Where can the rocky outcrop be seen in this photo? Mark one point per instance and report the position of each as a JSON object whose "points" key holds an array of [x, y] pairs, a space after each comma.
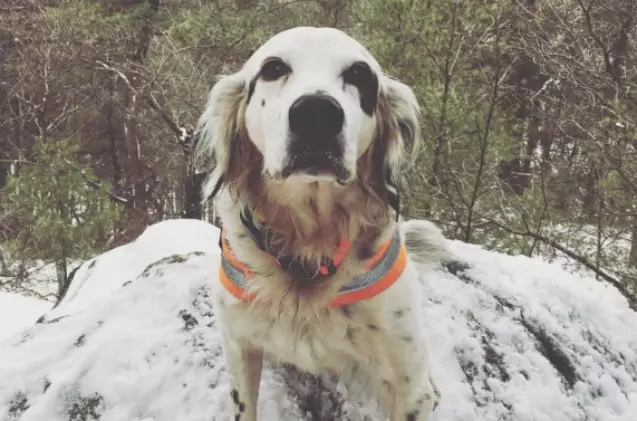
{"points": [[134, 339]]}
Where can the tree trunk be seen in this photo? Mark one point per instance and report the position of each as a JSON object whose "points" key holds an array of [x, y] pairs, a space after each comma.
{"points": [[4, 171], [112, 135], [632, 256], [193, 206], [442, 139], [139, 180], [61, 271], [4, 269], [193, 181]]}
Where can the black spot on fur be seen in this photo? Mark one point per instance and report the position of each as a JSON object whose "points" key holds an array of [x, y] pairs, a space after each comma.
{"points": [[437, 396], [127, 283], [400, 313], [347, 311], [47, 384], [189, 321], [92, 264], [263, 102], [240, 405], [408, 339], [372, 327], [406, 379], [80, 341], [237, 417], [235, 396], [361, 76], [412, 416]]}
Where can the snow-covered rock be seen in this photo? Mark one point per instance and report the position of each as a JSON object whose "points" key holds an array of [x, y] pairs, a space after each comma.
{"points": [[134, 339]]}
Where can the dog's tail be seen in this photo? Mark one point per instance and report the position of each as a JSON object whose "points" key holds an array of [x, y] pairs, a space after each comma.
{"points": [[424, 241]]}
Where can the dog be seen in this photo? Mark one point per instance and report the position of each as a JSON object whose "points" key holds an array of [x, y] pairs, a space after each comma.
{"points": [[305, 146]]}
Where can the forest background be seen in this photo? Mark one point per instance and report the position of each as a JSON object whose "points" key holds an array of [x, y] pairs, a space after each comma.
{"points": [[529, 120]]}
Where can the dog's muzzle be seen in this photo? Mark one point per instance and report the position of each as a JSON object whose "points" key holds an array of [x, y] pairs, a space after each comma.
{"points": [[316, 144]]}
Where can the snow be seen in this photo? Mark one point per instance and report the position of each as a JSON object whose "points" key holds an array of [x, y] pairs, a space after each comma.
{"points": [[40, 279], [18, 312], [105, 274], [134, 339]]}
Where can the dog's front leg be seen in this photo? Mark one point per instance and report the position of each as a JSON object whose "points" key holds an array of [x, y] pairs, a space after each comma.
{"points": [[409, 394], [407, 389], [244, 363]]}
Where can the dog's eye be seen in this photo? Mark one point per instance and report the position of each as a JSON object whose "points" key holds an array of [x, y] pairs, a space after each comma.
{"points": [[274, 69], [358, 74]]}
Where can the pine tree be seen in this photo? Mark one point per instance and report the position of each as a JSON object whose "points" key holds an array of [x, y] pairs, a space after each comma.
{"points": [[63, 209]]}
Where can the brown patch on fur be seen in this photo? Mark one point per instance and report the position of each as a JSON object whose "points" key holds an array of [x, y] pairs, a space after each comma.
{"points": [[373, 166], [244, 160]]}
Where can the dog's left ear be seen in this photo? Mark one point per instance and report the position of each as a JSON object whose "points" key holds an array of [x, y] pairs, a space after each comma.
{"points": [[401, 121], [219, 142], [397, 138]]}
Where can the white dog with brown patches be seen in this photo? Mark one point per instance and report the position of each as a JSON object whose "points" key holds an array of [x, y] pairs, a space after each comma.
{"points": [[307, 142]]}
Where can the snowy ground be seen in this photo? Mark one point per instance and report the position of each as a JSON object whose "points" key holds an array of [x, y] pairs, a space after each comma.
{"points": [[18, 312], [135, 340], [40, 280]]}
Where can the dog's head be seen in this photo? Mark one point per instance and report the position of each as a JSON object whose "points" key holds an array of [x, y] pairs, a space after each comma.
{"points": [[311, 104]]}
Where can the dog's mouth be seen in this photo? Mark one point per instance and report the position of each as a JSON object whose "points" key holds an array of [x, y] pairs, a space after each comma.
{"points": [[316, 165]]}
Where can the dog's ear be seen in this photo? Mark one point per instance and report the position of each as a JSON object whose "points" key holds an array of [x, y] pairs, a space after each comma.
{"points": [[220, 131], [402, 125], [396, 142]]}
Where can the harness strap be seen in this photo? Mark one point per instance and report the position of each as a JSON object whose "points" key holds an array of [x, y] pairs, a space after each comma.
{"points": [[382, 271]]}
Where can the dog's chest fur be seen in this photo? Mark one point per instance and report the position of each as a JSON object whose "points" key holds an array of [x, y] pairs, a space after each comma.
{"points": [[331, 339]]}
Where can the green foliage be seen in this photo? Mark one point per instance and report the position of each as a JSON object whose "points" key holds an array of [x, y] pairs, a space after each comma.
{"points": [[62, 208], [521, 123]]}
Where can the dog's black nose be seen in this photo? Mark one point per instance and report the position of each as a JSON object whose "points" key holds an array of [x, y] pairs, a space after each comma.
{"points": [[316, 117]]}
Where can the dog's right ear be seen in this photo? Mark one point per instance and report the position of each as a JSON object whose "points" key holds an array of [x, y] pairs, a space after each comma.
{"points": [[220, 131]]}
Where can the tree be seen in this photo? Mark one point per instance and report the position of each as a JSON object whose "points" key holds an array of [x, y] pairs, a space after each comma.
{"points": [[62, 208], [527, 107]]}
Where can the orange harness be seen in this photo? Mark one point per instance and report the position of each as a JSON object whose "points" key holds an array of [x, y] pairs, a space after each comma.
{"points": [[382, 271]]}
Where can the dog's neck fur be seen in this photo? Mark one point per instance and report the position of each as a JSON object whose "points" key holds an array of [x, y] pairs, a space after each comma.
{"points": [[309, 220]]}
